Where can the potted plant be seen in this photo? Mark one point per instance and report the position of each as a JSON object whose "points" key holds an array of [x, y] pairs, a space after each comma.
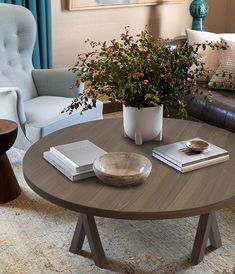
{"points": [[142, 73]]}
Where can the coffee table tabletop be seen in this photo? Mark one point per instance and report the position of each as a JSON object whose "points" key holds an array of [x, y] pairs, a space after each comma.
{"points": [[166, 193]]}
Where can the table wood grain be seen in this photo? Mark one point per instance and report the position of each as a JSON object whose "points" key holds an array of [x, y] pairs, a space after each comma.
{"points": [[166, 193], [7, 126]]}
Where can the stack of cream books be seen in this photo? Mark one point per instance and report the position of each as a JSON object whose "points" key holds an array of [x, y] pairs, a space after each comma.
{"points": [[178, 156], [74, 160]]}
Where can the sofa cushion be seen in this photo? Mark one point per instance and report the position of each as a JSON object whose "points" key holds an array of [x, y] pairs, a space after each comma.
{"points": [[43, 115], [219, 111], [228, 36], [208, 56], [221, 79]]}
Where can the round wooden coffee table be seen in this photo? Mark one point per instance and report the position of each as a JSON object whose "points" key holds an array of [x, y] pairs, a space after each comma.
{"points": [[166, 193], [9, 187]]}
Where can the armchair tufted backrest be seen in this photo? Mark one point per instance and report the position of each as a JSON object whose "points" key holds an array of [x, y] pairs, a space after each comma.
{"points": [[17, 38]]}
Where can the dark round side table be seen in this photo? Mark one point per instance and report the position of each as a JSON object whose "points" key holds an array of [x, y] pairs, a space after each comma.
{"points": [[9, 187]]}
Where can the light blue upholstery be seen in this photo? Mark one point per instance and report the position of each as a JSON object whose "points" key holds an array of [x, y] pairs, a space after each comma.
{"points": [[17, 37], [33, 98], [41, 10], [40, 123]]}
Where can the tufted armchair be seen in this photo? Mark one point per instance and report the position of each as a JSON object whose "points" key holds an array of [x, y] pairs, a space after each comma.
{"points": [[33, 98]]}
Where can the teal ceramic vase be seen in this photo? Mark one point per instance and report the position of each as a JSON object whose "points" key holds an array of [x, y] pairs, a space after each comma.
{"points": [[199, 10]]}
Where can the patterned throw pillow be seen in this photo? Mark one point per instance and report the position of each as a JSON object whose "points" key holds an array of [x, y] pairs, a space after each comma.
{"points": [[222, 78]]}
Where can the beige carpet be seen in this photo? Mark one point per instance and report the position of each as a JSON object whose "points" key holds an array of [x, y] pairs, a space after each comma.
{"points": [[35, 237]]}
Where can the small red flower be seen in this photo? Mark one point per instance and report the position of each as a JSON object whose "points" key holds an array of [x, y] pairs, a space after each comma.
{"points": [[145, 82], [139, 74], [121, 101], [110, 55], [149, 57]]}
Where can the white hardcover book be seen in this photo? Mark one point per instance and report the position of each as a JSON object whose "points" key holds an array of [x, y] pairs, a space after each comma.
{"points": [[198, 165], [179, 155], [69, 173], [78, 156]]}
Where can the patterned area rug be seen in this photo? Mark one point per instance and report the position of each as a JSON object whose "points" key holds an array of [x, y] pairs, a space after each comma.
{"points": [[35, 237]]}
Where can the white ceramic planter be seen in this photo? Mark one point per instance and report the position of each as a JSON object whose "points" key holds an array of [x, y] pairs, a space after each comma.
{"points": [[143, 124]]}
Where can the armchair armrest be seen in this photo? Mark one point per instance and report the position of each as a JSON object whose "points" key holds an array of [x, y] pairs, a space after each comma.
{"points": [[11, 105], [56, 82], [12, 108]]}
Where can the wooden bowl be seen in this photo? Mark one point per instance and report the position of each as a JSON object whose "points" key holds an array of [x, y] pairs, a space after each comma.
{"points": [[122, 168]]}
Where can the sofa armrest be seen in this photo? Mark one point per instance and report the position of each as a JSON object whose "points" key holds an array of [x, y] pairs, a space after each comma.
{"points": [[11, 105], [56, 82], [176, 42]]}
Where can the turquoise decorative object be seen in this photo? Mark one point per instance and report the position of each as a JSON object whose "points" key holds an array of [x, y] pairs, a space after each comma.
{"points": [[198, 10]]}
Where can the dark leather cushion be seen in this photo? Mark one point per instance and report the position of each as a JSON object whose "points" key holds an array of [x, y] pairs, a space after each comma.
{"points": [[219, 112]]}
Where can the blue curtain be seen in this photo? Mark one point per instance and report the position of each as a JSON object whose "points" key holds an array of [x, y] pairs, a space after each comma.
{"points": [[41, 10]]}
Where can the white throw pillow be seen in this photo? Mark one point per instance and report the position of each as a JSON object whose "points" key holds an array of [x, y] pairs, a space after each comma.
{"points": [[208, 56], [226, 67], [228, 36]]}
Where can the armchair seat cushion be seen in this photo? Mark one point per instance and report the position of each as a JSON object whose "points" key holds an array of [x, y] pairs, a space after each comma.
{"points": [[43, 115]]}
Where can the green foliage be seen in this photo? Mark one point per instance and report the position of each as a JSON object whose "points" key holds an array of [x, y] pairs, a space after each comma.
{"points": [[140, 72]]}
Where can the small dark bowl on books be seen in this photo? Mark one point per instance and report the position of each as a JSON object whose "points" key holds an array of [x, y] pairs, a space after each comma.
{"points": [[197, 145], [122, 169]]}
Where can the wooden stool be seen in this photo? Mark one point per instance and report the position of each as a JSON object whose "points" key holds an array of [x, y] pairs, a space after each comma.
{"points": [[9, 187]]}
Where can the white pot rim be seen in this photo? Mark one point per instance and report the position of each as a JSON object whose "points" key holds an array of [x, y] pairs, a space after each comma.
{"points": [[143, 107]]}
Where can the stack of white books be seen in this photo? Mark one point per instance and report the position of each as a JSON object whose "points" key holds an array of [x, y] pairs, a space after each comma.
{"points": [[74, 160], [178, 156]]}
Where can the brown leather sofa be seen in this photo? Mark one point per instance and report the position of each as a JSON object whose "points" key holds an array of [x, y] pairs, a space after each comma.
{"points": [[219, 112]]}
